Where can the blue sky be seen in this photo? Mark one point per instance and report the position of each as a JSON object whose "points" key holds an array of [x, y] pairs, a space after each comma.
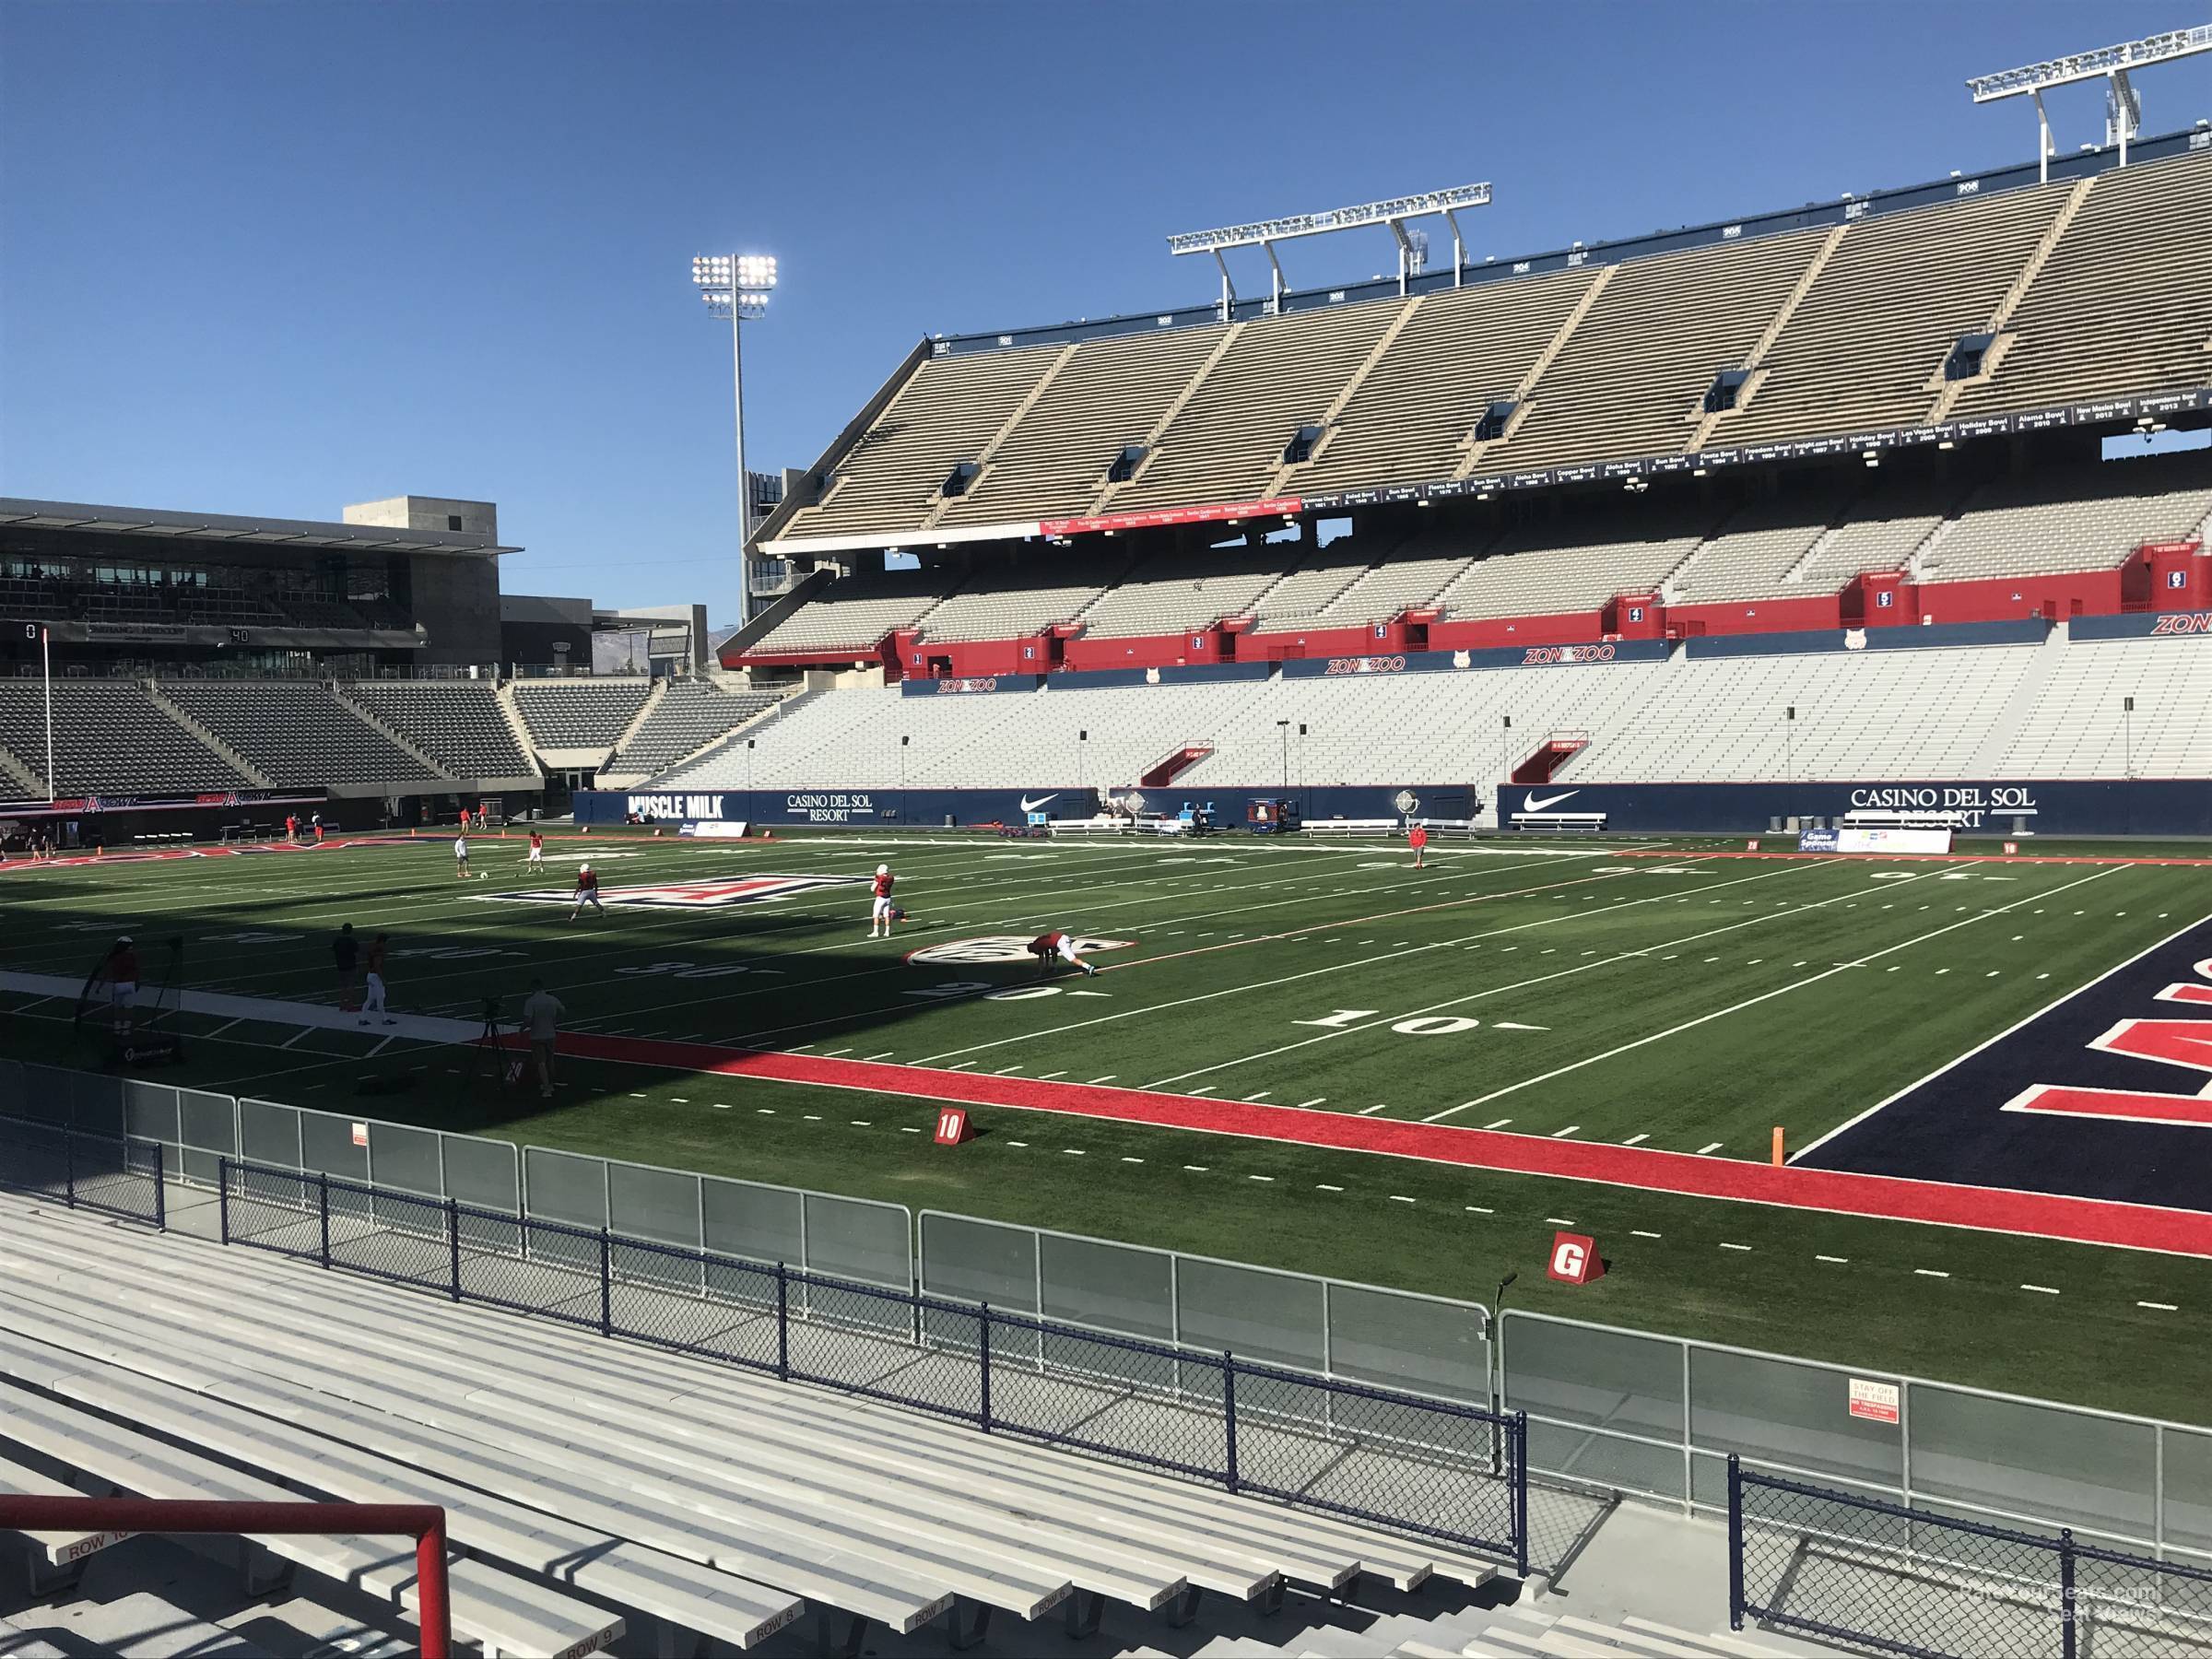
{"points": [[261, 257]]}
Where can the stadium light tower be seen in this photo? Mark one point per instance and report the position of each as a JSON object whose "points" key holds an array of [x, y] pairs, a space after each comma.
{"points": [[1412, 246], [2122, 103], [736, 286]]}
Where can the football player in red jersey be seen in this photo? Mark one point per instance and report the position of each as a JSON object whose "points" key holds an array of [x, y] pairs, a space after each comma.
{"points": [[880, 908], [1053, 947], [587, 891], [1418, 838]]}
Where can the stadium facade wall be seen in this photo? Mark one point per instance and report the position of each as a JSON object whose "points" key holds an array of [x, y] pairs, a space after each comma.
{"points": [[929, 809], [2002, 600], [2009, 807]]}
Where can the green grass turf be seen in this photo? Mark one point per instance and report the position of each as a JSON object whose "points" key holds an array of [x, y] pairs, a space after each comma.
{"points": [[1687, 1003]]}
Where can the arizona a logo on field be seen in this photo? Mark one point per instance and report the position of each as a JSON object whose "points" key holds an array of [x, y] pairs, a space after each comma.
{"points": [[1001, 948], [710, 893]]}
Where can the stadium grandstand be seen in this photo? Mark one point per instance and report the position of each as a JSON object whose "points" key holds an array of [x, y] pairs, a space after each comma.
{"points": [[643, 1258]]}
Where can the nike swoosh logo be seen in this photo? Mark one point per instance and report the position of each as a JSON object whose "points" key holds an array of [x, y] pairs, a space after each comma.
{"points": [[1030, 806], [1535, 803]]}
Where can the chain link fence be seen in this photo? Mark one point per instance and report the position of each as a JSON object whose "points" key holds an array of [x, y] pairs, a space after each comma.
{"points": [[1906, 1579], [1437, 1468], [110, 1174]]}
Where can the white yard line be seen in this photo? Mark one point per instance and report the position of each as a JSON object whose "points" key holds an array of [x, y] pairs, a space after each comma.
{"points": [[1818, 1142], [1289, 979], [1752, 1002], [1516, 984]]}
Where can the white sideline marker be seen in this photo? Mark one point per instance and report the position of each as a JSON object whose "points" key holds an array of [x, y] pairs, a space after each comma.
{"points": [[1500, 1124], [1638, 1232], [1710, 1147], [1930, 1273], [2041, 1289], [1840, 1261], [2158, 1306]]}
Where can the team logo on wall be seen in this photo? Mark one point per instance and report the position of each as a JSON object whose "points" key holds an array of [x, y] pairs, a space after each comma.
{"points": [[1855, 639], [1406, 800], [1133, 801], [1000, 947], [709, 893]]}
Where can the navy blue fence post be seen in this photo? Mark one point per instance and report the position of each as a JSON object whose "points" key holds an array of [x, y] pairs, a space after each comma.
{"points": [[222, 1195], [322, 1182], [161, 1194], [453, 1243], [2066, 1632], [1228, 1412], [1735, 1542], [606, 1286], [782, 1322], [1519, 1437], [983, 1353], [70, 1168]]}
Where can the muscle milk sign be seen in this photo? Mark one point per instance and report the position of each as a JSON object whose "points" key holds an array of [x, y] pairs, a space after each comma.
{"points": [[692, 807]]}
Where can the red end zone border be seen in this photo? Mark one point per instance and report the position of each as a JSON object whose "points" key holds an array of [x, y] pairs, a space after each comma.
{"points": [[1886, 1197]]}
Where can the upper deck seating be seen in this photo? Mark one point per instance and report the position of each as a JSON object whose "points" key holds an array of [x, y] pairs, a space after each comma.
{"points": [[109, 738], [458, 722], [691, 714], [295, 731], [580, 714], [2089, 518]]}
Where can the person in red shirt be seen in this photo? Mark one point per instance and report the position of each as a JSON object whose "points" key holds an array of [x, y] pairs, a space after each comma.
{"points": [[880, 906], [291, 826], [1049, 948], [587, 891], [1418, 838], [536, 860]]}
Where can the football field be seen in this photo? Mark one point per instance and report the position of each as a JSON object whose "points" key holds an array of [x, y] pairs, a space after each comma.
{"points": [[1307, 1054]]}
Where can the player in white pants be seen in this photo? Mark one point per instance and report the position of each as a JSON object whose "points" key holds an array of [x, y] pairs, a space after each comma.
{"points": [[1057, 946], [879, 909], [587, 892]]}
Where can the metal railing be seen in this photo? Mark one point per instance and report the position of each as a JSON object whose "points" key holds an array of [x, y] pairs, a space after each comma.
{"points": [[114, 1176], [1845, 1567], [1637, 1412], [1437, 1468]]}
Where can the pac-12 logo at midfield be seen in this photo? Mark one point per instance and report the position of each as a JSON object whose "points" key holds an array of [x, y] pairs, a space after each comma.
{"points": [[708, 893], [1001, 948]]}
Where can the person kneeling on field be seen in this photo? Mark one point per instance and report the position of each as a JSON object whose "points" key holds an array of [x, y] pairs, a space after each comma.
{"points": [[1056, 946]]}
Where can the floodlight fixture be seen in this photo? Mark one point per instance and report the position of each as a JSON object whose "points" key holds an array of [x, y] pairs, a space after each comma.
{"points": [[736, 287], [1393, 214], [2112, 64]]}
